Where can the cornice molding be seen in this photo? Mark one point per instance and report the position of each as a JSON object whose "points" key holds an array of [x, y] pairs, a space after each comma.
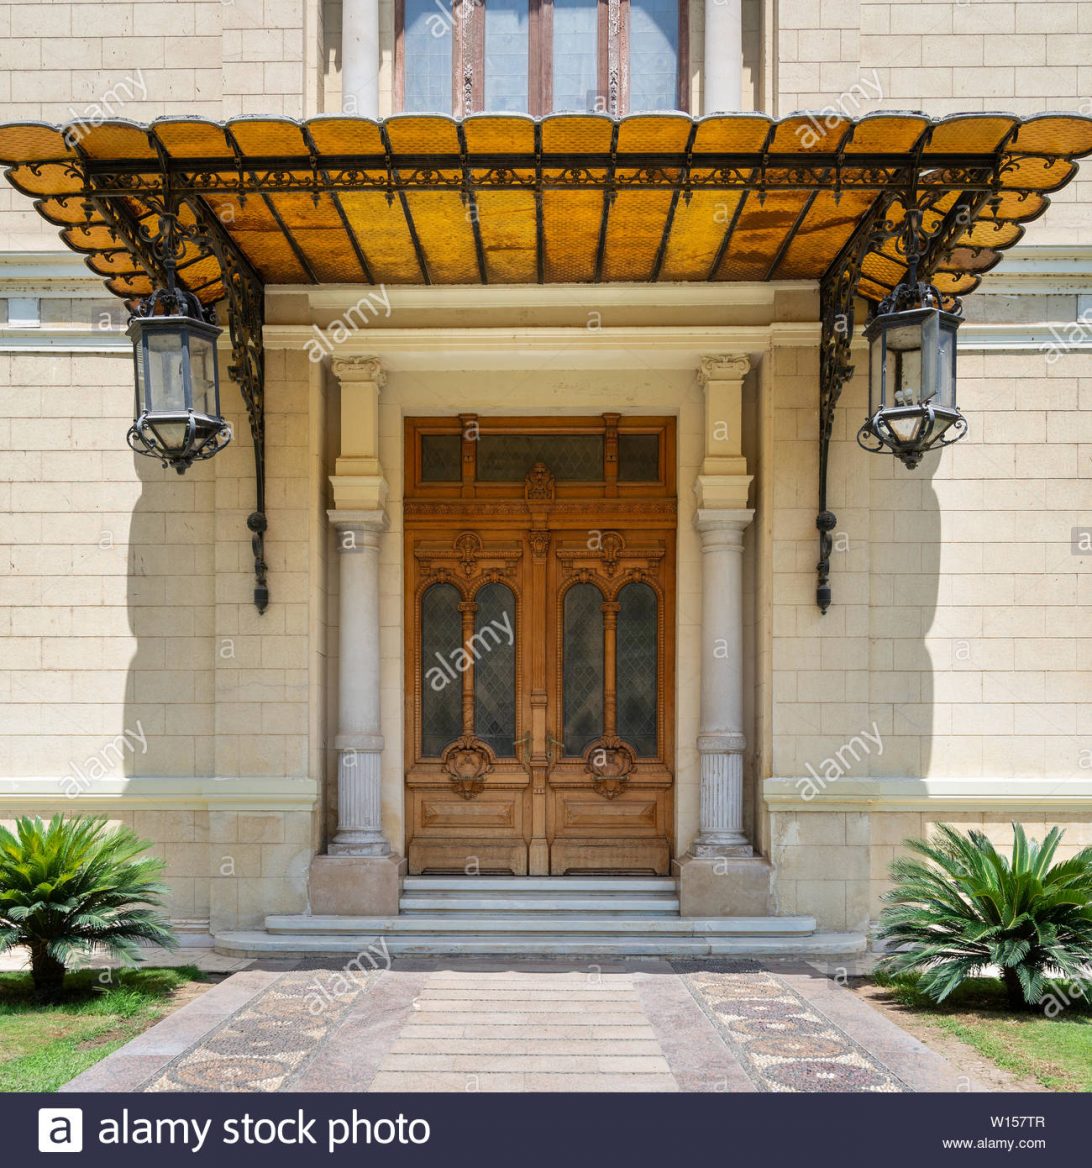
{"points": [[47, 339], [565, 347], [1038, 797], [36, 793]]}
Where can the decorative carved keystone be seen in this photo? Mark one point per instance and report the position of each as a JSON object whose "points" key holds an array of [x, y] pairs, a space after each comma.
{"points": [[538, 486]]}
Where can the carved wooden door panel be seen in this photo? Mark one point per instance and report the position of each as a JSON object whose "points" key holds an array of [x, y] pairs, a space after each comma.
{"points": [[467, 788], [538, 659], [610, 798]]}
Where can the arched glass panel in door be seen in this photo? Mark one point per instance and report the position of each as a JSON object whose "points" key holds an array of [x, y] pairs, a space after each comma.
{"points": [[494, 652], [636, 668], [441, 683], [582, 667]]}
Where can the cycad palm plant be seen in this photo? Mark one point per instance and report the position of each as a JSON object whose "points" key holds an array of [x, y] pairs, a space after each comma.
{"points": [[71, 885], [970, 908]]}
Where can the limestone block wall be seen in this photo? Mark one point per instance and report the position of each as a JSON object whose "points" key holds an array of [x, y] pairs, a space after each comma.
{"points": [[834, 864], [136, 677], [958, 647]]}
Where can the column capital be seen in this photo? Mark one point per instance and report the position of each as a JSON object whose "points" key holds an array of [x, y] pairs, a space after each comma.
{"points": [[723, 367], [721, 527], [357, 369], [365, 528]]}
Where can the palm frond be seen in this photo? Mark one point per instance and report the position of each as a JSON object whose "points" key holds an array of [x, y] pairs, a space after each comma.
{"points": [[958, 906]]}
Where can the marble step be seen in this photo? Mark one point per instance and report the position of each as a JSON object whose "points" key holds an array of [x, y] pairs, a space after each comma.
{"points": [[299, 945], [535, 884], [572, 924], [544, 902]]}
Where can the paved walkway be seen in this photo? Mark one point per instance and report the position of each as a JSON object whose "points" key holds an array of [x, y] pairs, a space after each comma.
{"points": [[475, 1025]]}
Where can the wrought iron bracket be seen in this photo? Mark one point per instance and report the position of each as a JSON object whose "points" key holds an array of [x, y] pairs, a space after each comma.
{"points": [[157, 252], [245, 296], [921, 250], [837, 310]]}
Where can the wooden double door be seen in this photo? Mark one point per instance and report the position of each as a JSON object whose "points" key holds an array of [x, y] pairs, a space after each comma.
{"points": [[540, 611]]}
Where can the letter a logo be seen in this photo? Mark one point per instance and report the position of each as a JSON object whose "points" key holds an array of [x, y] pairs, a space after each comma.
{"points": [[60, 1129]]}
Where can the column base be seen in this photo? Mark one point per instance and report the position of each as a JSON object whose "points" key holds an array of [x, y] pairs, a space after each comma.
{"points": [[358, 802], [712, 849], [363, 843], [724, 886], [356, 886]]}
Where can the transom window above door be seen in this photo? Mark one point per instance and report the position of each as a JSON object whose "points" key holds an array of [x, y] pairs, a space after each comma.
{"points": [[540, 56], [608, 456]]}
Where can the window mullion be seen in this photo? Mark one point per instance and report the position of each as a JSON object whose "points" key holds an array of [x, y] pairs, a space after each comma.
{"points": [[610, 668], [540, 58], [468, 608]]}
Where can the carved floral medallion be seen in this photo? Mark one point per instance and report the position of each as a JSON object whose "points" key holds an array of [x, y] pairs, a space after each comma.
{"points": [[466, 762], [610, 761]]}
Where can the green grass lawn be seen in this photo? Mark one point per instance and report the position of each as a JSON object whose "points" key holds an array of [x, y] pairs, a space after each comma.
{"points": [[1055, 1051], [42, 1047]]}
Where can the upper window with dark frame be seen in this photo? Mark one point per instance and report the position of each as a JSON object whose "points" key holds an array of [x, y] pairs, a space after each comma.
{"points": [[540, 56]]}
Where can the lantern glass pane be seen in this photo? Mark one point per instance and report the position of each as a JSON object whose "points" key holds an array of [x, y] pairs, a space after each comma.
{"points": [[905, 426], [203, 374], [930, 354], [904, 337], [946, 366], [876, 375], [138, 365], [908, 378], [172, 435], [167, 389]]}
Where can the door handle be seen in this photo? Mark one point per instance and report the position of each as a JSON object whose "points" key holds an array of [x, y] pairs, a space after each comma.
{"points": [[553, 743], [554, 749], [523, 744]]}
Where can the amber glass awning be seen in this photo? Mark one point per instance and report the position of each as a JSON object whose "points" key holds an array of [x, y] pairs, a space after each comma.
{"points": [[421, 199]]}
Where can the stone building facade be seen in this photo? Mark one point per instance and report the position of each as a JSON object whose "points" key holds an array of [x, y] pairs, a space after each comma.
{"points": [[948, 682]]}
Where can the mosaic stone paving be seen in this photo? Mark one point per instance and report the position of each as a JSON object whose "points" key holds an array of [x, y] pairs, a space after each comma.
{"points": [[267, 1044], [782, 1042]]}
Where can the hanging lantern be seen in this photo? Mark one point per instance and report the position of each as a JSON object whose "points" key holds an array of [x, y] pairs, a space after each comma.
{"points": [[912, 375], [177, 415]]}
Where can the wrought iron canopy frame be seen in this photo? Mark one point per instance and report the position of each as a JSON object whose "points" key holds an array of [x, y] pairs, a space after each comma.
{"points": [[825, 213], [613, 170]]}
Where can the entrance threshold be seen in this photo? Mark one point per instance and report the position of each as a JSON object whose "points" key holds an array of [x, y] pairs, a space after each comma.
{"points": [[554, 916]]}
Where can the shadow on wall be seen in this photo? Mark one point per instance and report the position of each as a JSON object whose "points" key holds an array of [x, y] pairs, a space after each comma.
{"points": [[170, 598], [906, 534], [169, 693]]}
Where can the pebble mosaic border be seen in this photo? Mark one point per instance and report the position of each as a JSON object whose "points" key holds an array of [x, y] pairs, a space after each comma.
{"points": [[782, 1042], [268, 1043]]}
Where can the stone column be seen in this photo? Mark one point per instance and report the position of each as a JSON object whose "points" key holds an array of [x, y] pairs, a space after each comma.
{"points": [[722, 67], [360, 57], [720, 741], [720, 875], [359, 742], [360, 875]]}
